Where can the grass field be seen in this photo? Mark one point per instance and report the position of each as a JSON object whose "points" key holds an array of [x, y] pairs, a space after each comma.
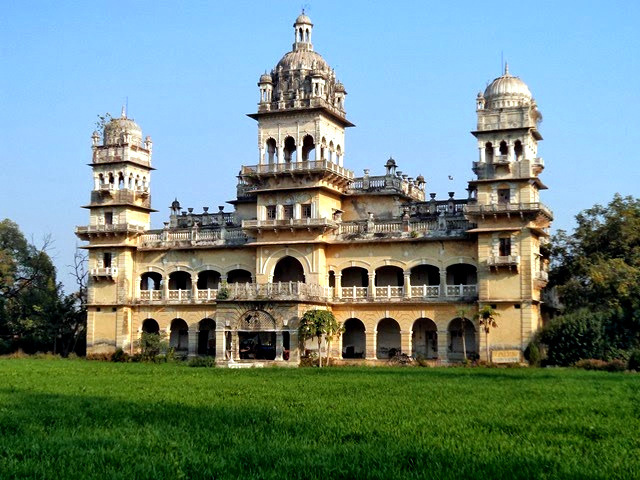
{"points": [[80, 419]]}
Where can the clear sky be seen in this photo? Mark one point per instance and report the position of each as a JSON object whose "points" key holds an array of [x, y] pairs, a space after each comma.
{"points": [[412, 71]]}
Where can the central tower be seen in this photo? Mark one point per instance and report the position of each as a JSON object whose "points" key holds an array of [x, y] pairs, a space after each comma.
{"points": [[301, 113]]}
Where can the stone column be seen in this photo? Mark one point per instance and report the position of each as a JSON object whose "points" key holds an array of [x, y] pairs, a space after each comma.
{"points": [[405, 342], [279, 346], [482, 158], [443, 282], [338, 287], [407, 284], [299, 152], [193, 340], [280, 154], [194, 290], [443, 346], [221, 345], [372, 286], [294, 346], [165, 289], [235, 351], [370, 344], [510, 152], [261, 158]]}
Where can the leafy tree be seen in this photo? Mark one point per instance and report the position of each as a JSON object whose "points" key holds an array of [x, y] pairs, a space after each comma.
{"points": [[574, 336], [597, 269], [486, 317], [320, 324]]}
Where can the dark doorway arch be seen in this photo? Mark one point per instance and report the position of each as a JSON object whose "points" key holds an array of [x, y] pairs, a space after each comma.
{"points": [[353, 339], [288, 269], [388, 342], [150, 326], [424, 338], [207, 337]]}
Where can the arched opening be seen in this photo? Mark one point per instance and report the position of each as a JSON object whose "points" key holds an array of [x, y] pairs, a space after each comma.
{"points": [[207, 337], [308, 146], [332, 279], [271, 151], [300, 37], [130, 185], [208, 280], [288, 269], [458, 330], [353, 339], [111, 180], [150, 281], [389, 275], [387, 338], [338, 154], [306, 35], [331, 151], [120, 181], [323, 149], [355, 277], [180, 281], [488, 152], [424, 338], [239, 276], [462, 274], [504, 149], [101, 180], [425, 275], [518, 150], [150, 326], [257, 336], [289, 150], [179, 335]]}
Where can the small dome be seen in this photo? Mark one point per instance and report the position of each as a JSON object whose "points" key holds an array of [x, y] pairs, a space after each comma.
{"points": [[116, 130], [302, 18], [507, 88], [340, 88], [266, 78], [307, 59], [420, 179], [390, 163]]}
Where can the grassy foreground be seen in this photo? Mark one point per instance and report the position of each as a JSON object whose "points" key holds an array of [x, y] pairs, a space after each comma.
{"points": [[80, 419]]}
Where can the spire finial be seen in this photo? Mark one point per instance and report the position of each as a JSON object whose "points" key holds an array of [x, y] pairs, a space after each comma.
{"points": [[506, 69], [123, 114]]}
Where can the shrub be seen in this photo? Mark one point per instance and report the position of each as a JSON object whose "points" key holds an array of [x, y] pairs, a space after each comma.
{"points": [[119, 356], [223, 293], [634, 360], [202, 362], [421, 361], [573, 337], [616, 365], [5, 347], [151, 344], [309, 360], [532, 354], [100, 357]]}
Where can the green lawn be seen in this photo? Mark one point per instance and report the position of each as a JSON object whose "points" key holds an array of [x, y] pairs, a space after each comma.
{"points": [[80, 419]]}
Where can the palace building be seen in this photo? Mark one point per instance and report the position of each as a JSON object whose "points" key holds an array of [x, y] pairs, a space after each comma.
{"points": [[401, 270]]}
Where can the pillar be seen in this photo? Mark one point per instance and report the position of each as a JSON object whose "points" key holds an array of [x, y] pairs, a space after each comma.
{"points": [[405, 341], [280, 154], [261, 158], [294, 346], [221, 345], [338, 288], [510, 152], [372, 286], [443, 282], [165, 289], [370, 344], [298, 151], [481, 150], [443, 346], [407, 284], [279, 346], [193, 340]]}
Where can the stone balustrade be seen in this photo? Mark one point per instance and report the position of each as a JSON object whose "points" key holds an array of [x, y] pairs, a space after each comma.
{"points": [[192, 237], [294, 167], [503, 261], [110, 272], [475, 208]]}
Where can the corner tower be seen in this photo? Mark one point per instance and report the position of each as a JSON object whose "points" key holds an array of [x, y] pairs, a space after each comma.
{"points": [[119, 211], [512, 223]]}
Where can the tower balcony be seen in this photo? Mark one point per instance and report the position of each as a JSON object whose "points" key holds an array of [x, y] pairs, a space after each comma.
{"points": [[289, 224], [506, 261], [476, 209], [104, 272], [322, 167], [88, 231]]}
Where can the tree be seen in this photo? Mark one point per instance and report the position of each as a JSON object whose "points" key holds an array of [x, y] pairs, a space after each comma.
{"points": [[596, 270], [320, 324], [486, 317], [462, 314]]}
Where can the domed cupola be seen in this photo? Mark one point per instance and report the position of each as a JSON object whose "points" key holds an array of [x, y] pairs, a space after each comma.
{"points": [[122, 130], [506, 91], [302, 78]]}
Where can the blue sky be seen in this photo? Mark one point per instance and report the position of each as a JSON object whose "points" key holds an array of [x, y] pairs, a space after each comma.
{"points": [[412, 71]]}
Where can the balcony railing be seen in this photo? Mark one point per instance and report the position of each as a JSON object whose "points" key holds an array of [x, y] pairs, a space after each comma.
{"points": [[151, 295], [179, 295], [508, 208], [110, 272], [425, 291], [289, 223], [113, 228], [503, 261], [278, 290], [293, 167], [192, 237]]}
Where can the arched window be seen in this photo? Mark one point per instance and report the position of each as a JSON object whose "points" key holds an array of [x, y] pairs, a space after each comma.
{"points": [[120, 181], [308, 146], [239, 276], [424, 338], [207, 337], [425, 275], [355, 277], [488, 152], [150, 281], [289, 149], [387, 338], [271, 151], [288, 269], [150, 326], [338, 154], [462, 274], [461, 339], [389, 275], [208, 279], [353, 339], [518, 150], [180, 281], [179, 336], [504, 149]]}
